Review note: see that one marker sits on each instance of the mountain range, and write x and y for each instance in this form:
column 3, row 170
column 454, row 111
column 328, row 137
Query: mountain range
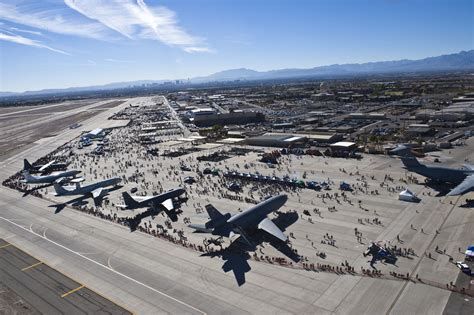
column 462, row 61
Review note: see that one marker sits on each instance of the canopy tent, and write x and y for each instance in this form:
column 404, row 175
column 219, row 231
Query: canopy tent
column 407, row 195
column 470, row 251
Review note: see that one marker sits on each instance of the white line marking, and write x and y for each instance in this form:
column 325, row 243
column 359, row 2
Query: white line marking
column 110, row 269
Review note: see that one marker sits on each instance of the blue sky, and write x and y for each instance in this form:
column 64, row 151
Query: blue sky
column 57, row 44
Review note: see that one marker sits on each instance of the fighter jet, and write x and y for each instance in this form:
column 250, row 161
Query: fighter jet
column 96, row 190
column 463, row 177
column 47, row 179
column 245, row 223
column 50, row 166
column 162, row 202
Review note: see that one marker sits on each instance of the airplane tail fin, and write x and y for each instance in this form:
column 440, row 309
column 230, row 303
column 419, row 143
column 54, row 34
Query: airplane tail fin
column 213, row 212
column 129, row 201
column 59, row 189
column 27, row 165
column 216, row 218
column 28, row 176
column 410, row 162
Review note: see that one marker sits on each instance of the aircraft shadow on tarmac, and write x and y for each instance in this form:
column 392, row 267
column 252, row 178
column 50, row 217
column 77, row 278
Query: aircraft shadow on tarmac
column 469, row 204
column 236, row 255
column 441, row 188
column 27, row 192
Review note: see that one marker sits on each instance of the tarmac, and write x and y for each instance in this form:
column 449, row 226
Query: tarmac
column 48, row 290
column 144, row 274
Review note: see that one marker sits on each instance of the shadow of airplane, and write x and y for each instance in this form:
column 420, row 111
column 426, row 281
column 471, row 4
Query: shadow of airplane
column 442, row 189
column 236, row 255
column 469, row 204
column 27, row 192
column 80, row 201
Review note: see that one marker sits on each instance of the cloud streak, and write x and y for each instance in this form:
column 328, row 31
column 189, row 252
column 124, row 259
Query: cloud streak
column 137, row 20
column 56, row 19
column 29, row 42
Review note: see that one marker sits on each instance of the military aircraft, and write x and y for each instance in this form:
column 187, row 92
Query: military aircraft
column 462, row 177
column 47, row 179
column 160, row 202
column 245, row 223
column 50, row 166
column 97, row 190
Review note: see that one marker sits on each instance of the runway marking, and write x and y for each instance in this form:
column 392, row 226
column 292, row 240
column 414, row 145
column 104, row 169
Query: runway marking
column 3, row 246
column 106, row 267
column 73, row 290
column 32, row 266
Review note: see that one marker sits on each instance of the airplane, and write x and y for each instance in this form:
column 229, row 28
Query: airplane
column 50, row 166
column 47, row 179
column 97, row 190
column 244, row 223
column 462, row 177
column 159, row 202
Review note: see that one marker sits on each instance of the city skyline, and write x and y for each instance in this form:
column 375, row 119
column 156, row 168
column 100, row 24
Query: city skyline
column 59, row 44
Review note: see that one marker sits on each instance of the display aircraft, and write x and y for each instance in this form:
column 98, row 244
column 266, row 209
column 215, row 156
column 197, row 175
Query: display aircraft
column 462, row 177
column 158, row 203
column 47, row 179
column 96, row 190
column 50, row 166
column 245, row 223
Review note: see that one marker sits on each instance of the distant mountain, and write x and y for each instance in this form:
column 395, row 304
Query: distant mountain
column 109, row 86
column 233, row 74
column 461, row 61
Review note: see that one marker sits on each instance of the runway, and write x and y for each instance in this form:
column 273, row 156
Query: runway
column 47, row 290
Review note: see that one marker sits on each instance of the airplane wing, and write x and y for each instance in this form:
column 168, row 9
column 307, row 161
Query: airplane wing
column 268, row 226
column 466, row 184
column 168, row 204
column 97, row 192
column 44, row 167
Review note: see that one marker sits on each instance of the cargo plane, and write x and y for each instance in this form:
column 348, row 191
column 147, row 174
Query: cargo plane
column 462, row 177
column 245, row 223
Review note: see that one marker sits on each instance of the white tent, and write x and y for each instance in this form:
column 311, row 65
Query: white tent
column 470, row 251
column 407, row 195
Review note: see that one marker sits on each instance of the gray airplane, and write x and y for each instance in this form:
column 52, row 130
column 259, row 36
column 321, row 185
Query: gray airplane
column 160, row 202
column 463, row 177
column 50, row 166
column 96, row 190
column 245, row 223
column 47, row 179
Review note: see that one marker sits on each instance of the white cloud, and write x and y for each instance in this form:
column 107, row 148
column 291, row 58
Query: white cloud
column 197, row 49
column 52, row 19
column 137, row 20
column 26, row 31
column 28, row 42
column 118, row 60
